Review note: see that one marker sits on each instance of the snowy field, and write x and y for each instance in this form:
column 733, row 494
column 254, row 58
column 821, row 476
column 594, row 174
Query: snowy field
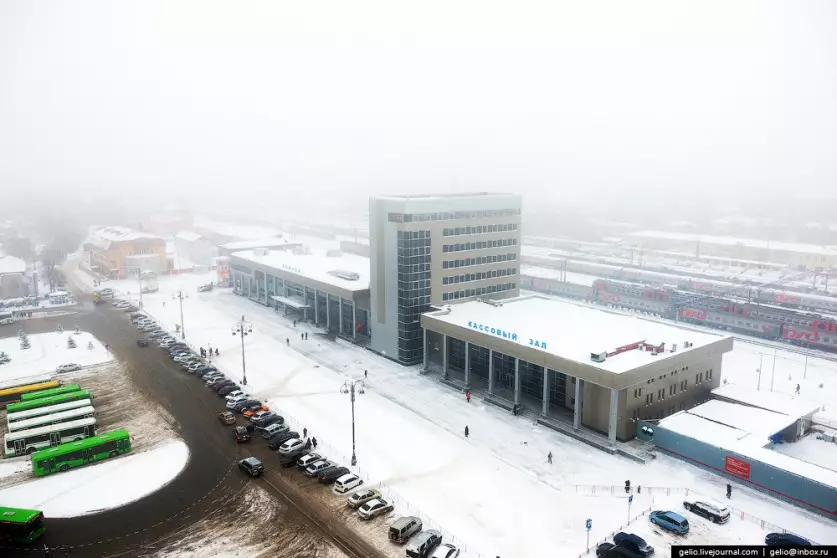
column 94, row 488
column 47, row 351
column 409, row 439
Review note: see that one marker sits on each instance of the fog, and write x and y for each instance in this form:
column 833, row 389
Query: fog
column 620, row 103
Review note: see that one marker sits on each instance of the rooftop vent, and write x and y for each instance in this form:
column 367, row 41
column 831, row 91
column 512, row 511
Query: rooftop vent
column 343, row 274
column 598, row 357
column 495, row 303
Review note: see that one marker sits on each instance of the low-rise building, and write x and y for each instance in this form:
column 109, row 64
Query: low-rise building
column 116, row 252
column 13, row 281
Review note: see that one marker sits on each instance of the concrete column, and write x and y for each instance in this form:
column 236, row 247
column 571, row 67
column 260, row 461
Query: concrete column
column 517, row 381
column 340, row 308
column 424, row 347
column 614, row 411
column 490, row 372
column 577, row 409
column 445, row 356
column 354, row 320
column 328, row 312
column 316, row 307
column 467, row 365
column 545, row 402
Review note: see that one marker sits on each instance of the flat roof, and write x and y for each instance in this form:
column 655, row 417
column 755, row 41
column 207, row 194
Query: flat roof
column 258, row 243
column 188, row 236
column 760, row 423
column 235, row 230
column 11, row 264
column 315, row 265
column 558, row 275
column 571, row 331
column 732, row 241
column 103, row 237
column 442, row 196
column 793, row 406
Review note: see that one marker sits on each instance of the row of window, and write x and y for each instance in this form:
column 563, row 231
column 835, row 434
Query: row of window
column 452, row 279
column 659, row 413
column 465, row 246
column 479, row 229
column 451, row 215
column 672, row 389
column 466, row 293
column 467, row 262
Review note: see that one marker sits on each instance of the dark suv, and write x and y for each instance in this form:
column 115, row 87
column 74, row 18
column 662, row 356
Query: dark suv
column 278, row 439
column 328, row 476
column 251, row 466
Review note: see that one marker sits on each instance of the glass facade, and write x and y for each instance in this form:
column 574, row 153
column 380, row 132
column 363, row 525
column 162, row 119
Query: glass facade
column 413, row 292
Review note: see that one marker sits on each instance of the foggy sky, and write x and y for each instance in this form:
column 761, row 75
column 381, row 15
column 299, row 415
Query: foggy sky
column 557, row 100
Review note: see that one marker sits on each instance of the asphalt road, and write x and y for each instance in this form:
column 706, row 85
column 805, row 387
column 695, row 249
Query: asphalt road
column 210, row 478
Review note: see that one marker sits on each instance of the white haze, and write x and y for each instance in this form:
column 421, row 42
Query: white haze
column 568, row 100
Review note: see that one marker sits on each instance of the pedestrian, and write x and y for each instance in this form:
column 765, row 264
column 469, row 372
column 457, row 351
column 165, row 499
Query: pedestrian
column 302, row 336
column 294, row 323
column 216, row 351
column 365, row 374
column 467, row 432
column 304, row 432
column 549, row 458
column 797, row 389
column 314, row 442
column 288, row 341
column 638, row 489
column 306, row 336
column 468, row 396
column 307, row 443
column 729, row 491
column 627, row 486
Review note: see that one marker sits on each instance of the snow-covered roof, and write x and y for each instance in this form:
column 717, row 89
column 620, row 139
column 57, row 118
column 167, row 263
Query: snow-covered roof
column 732, row 241
column 235, row 230
column 572, row 331
column 257, row 243
column 760, row 423
column 557, row 275
column 105, row 236
column 59, row 293
column 346, row 271
column 11, row 264
column 188, row 236
column 792, row 406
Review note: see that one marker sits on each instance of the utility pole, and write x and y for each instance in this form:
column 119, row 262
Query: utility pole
column 773, row 372
column 241, row 329
column 351, row 387
column 180, row 296
column 139, row 274
column 761, row 360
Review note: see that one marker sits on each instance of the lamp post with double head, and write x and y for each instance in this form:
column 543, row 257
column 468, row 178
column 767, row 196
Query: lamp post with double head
column 353, row 387
column 242, row 328
column 180, row 296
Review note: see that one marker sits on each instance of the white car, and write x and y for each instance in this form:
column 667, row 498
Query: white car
column 233, row 402
column 234, row 394
column 291, row 446
column 307, row 459
column 445, row 550
column 374, row 508
column 275, row 428
column 72, row 367
column 346, row 483
column 314, row 469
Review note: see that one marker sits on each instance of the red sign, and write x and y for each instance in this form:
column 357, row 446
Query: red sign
column 737, row 467
column 694, row 314
column 800, row 334
column 781, row 297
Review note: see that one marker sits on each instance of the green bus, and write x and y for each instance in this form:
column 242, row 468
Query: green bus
column 20, row 526
column 46, row 401
column 69, row 388
column 76, row 454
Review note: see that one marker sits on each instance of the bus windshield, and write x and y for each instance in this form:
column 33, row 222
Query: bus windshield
column 20, row 526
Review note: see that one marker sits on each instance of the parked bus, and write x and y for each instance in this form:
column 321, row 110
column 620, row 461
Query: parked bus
column 6, row 318
column 76, row 454
column 54, row 418
column 20, row 526
column 11, row 395
column 28, row 441
column 17, row 382
column 47, row 401
column 69, row 388
column 41, row 411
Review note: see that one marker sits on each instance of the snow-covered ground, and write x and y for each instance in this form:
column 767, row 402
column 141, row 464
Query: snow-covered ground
column 409, row 439
column 47, row 351
column 812, row 450
column 108, row 484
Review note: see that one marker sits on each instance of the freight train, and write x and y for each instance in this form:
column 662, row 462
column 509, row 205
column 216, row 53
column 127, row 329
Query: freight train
column 752, row 292
column 777, row 323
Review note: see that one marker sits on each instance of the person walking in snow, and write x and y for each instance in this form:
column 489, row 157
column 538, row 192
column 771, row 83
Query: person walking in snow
column 307, row 443
column 306, row 336
column 288, row 341
column 797, row 389
column 467, row 432
column 302, row 337
column 216, row 351
column 729, row 491
column 304, row 432
column 366, row 374
column 549, row 458
column 468, row 396
column 314, row 442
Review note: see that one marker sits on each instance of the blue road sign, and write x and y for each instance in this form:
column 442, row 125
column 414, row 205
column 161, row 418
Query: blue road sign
column 589, row 524
column 630, row 498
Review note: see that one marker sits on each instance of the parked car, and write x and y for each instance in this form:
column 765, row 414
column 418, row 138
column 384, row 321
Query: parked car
column 403, row 528
column 244, row 404
column 142, row 343
column 423, row 544
column 253, row 409
column 314, row 469
column 226, row 417
column 785, row 540
column 374, row 508
column 290, row 459
column 231, row 403
column 251, row 466
column 670, row 521
column 330, row 475
column 633, row 542
column 275, row 441
column 362, row 496
column 445, row 550
column 157, row 334
column 256, row 418
column 308, row 459
column 241, row 434
column 291, row 445
column 346, row 482
column 235, row 394
column 712, row 511
column 214, row 380
column 228, row 389
column 610, row 550
column 273, row 429
column 218, row 386
column 71, row 367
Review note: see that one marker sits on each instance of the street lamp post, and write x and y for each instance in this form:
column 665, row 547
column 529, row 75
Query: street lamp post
column 241, row 329
column 139, row 275
column 352, row 387
column 180, row 296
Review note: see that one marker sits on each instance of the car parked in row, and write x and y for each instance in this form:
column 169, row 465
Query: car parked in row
column 610, row 550
column 224, row 391
column 362, row 496
column 374, row 508
column 291, row 446
column 70, row 367
column 403, row 528
column 633, row 542
column 713, row 511
column 275, row 441
column 330, row 475
column 423, row 544
column 273, row 429
column 347, row 482
column 445, row 550
column 290, row 459
column 308, row 459
column 785, row 540
column 314, row 469
column 670, row 521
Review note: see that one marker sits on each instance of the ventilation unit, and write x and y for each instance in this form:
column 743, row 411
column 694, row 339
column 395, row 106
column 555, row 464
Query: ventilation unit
column 343, row 274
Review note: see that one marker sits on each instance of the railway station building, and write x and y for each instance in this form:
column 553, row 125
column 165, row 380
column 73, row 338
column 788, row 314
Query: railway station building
column 574, row 367
column 328, row 288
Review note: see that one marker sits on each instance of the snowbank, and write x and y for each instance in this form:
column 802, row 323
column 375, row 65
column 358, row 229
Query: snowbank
column 48, row 351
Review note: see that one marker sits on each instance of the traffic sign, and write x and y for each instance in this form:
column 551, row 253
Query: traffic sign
column 630, row 498
column 589, row 524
